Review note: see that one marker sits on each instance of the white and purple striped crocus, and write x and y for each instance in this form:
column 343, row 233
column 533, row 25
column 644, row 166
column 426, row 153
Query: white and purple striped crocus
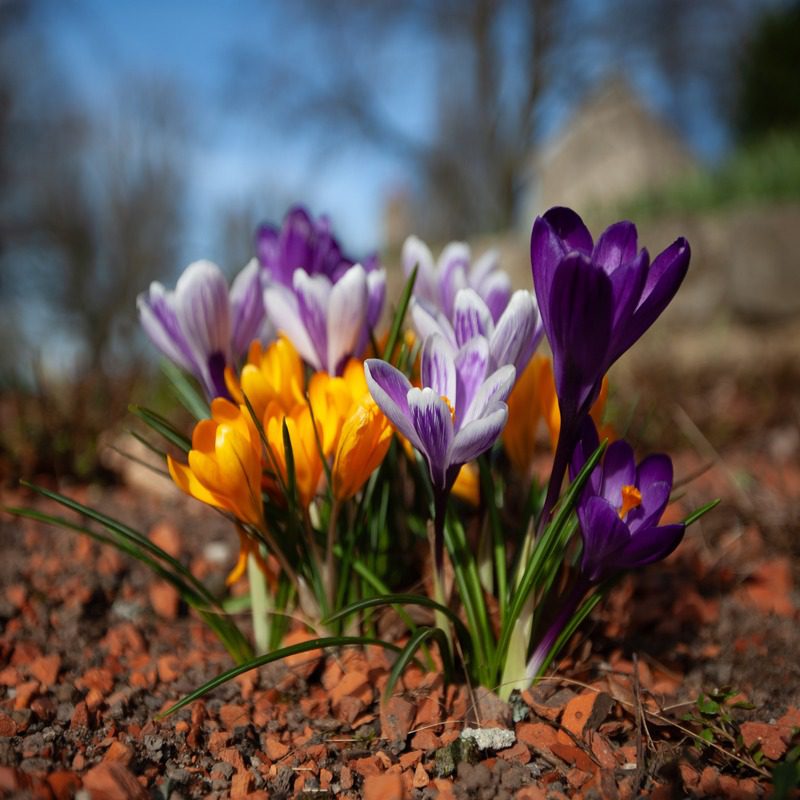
column 619, row 510
column 438, row 283
column 319, row 298
column 596, row 300
column 512, row 338
column 201, row 325
column 457, row 414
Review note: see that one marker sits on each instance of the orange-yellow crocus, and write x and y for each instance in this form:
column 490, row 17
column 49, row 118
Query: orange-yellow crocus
column 363, row 444
column 271, row 375
column 224, row 468
column 355, row 431
column 468, row 484
column 305, row 450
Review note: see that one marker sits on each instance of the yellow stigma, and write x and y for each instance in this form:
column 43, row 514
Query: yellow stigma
column 631, row 498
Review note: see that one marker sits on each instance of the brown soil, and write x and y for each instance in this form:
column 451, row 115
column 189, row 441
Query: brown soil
column 93, row 647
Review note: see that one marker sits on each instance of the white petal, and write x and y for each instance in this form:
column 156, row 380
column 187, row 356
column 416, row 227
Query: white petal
column 438, row 367
column 479, row 435
column 471, row 317
column 346, row 316
column 283, row 312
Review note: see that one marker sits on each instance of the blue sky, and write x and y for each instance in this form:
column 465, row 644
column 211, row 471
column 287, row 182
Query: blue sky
column 236, row 153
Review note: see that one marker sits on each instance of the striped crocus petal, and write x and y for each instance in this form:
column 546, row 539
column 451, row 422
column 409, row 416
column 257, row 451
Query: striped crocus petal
column 431, row 419
column 283, row 308
column 247, row 308
column 346, row 317
column 389, row 389
column 157, row 314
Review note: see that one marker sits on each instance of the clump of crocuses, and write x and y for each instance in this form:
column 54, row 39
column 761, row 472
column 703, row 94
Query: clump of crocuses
column 333, row 443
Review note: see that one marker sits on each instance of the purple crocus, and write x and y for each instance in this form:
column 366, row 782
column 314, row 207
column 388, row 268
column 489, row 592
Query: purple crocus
column 302, row 267
column 619, row 511
column 512, row 338
column 596, row 300
column 202, row 326
column 457, row 414
column 438, row 283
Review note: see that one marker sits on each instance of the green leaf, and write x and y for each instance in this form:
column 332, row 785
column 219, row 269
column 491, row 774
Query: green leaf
column 414, row 643
column 268, row 658
column 401, row 600
column 399, row 315
column 700, row 512
column 185, row 391
column 162, row 426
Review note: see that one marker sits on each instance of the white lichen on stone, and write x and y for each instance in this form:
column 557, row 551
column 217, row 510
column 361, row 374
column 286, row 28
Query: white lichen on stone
column 490, row 738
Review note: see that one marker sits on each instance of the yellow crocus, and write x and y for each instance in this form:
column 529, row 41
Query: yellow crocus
column 274, row 375
column 224, row 468
column 331, row 401
column 363, row 444
column 305, row 450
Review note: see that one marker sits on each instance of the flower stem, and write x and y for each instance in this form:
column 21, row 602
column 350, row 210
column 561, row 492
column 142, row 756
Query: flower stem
column 330, row 582
column 260, row 604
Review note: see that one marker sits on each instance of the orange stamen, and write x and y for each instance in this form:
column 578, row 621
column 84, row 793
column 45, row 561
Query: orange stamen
column 631, row 498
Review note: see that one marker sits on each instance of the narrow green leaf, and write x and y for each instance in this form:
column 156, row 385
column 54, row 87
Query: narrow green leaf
column 401, row 600
column 268, row 658
column 399, row 315
column 185, row 391
column 702, row 511
column 414, row 643
column 162, row 427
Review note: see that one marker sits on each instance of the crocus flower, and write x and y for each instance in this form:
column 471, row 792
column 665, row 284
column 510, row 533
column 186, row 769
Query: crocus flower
column 596, row 300
column 512, row 337
column 303, row 436
column 619, row 511
column 224, row 468
column 457, row 414
column 201, row 326
column 303, row 264
column 274, row 374
column 437, row 284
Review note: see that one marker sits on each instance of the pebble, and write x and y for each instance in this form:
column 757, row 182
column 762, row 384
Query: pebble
column 490, row 738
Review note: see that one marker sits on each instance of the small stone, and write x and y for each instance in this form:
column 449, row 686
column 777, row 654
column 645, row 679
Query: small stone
column 409, row 760
column 489, row 707
column 80, row 716
column 166, row 536
column 766, row 737
column 518, row 753
column 232, row 716
column 274, row 748
column 7, row 725
column 169, row 668
column 112, row 781
column 222, row 769
column 45, row 669
column 397, row 715
column 25, row 693
column 490, row 738
column 164, row 600
column 383, row 787
column 425, row 740
column 537, row 735
column 421, row 778
column 119, row 752
column 586, row 712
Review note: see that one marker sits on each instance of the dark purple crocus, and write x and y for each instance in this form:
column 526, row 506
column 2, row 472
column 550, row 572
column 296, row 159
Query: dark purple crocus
column 457, row 414
column 302, row 267
column 202, row 326
column 596, row 300
column 619, row 510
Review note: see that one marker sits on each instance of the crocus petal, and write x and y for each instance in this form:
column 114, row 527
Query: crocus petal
column 431, row 419
column 313, row 295
column 453, row 266
column 619, row 470
column 518, row 332
column 202, row 308
column 581, row 309
column 664, row 278
column 389, row 389
column 485, row 268
column 417, row 254
column 438, row 368
column 650, row 545
column 428, row 320
column 247, row 308
column 654, row 481
column 471, row 365
column 376, row 295
column 616, row 246
column 496, row 291
column 627, row 283
column 604, row 537
column 346, row 317
column 471, row 317
column 494, row 390
column 479, row 435
column 282, row 308
column 570, row 228
column 157, row 315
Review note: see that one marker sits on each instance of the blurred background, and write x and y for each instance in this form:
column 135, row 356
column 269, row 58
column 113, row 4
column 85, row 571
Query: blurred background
column 136, row 137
